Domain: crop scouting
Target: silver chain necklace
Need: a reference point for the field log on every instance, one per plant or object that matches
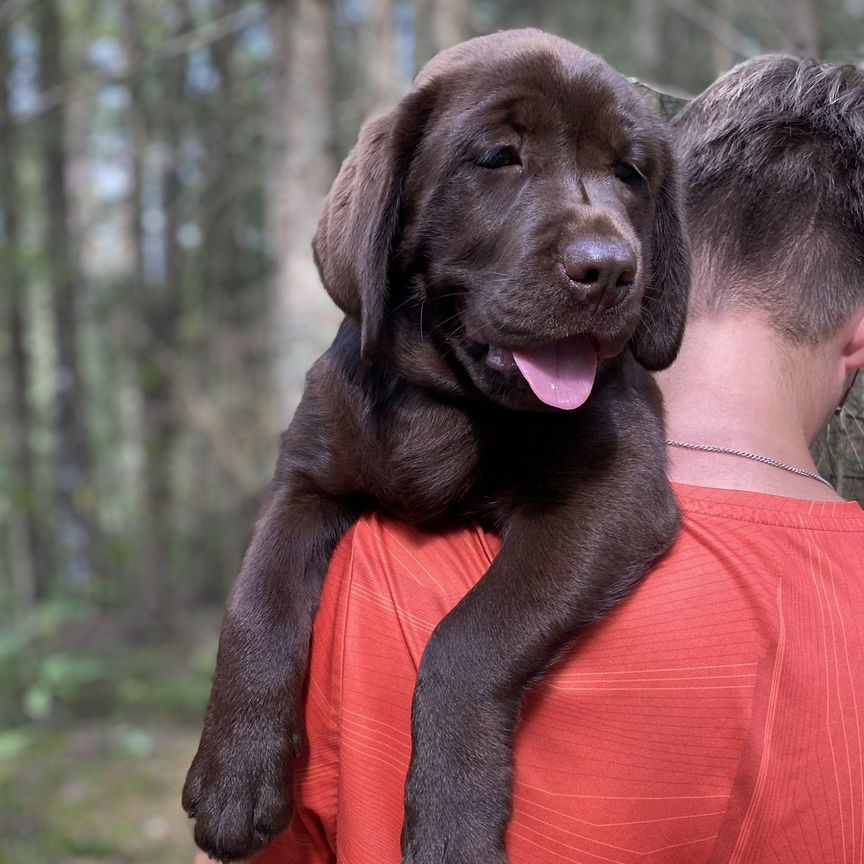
(765, 460)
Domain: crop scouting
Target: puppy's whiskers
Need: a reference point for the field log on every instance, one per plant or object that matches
(426, 300)
(648, 321)
(446, 321)
(451, 348)
(421, 301)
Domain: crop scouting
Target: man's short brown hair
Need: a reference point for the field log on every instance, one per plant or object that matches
(773, 156)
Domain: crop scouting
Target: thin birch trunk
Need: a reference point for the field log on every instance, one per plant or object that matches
(302, 138)
(75, 494)
(31, 565)
(442, 23)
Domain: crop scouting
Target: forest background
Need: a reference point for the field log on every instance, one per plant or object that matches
(162, 167)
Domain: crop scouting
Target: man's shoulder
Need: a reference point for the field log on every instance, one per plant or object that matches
(448, 561)
(413, 566)
(769, 510)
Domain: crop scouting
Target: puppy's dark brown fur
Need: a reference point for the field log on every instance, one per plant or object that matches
(448, 230)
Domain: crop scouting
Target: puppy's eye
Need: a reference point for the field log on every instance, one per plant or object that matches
(499, 157)
(628, 173)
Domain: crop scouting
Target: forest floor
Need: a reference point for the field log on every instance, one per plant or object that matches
(96, 777)
(104, 792)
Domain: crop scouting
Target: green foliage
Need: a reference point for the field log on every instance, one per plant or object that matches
(62, 679)
(109, 793)
(62, 663)
(14, 743)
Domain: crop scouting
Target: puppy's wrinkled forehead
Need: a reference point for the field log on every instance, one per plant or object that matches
(537, 85)
(497, 48)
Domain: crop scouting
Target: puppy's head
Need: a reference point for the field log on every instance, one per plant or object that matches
(515, 219)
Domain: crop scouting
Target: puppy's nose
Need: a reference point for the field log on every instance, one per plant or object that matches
(601, 271)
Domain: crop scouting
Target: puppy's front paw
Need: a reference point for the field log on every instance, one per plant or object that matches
(239, 793)
(454, 851)
(436, 831)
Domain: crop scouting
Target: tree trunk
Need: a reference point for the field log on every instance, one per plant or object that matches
(33, 578)
(803, 28)
(648, 39)
(220, 356)
(721, 48)
(221, 185)
(138, 139)
(379, 58)
(440, 24)
(157, 303)
(798, 26)
(74, 528)
(304, 166)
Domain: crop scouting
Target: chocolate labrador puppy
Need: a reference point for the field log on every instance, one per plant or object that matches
(507, 246)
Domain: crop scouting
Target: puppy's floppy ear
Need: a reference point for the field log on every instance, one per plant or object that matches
(657, 339)
(360, 224)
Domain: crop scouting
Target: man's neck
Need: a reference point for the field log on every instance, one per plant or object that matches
(736, 384)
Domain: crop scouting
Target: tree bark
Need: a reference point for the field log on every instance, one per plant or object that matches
(721, 50)
(440, 24)
(798, 25)
(648, 39)
(221, 184)
(75, 493)
(33, 565)
(157, 304)
(220, 357)
(304, 164)
(803, 28)
(379, 49)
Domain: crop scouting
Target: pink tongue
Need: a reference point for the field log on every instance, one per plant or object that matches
(561, 374)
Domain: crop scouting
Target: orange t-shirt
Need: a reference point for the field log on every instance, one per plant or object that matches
(713, 717)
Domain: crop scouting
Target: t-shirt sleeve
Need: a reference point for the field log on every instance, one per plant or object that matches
(311, 837)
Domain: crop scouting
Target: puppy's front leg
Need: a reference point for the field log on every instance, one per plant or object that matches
(556, 572)
(239, 786)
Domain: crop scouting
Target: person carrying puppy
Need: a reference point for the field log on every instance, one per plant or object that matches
(716, 715)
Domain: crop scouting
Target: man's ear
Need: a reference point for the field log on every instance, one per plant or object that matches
(853, 350)
(657, 339)
(359, 228)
